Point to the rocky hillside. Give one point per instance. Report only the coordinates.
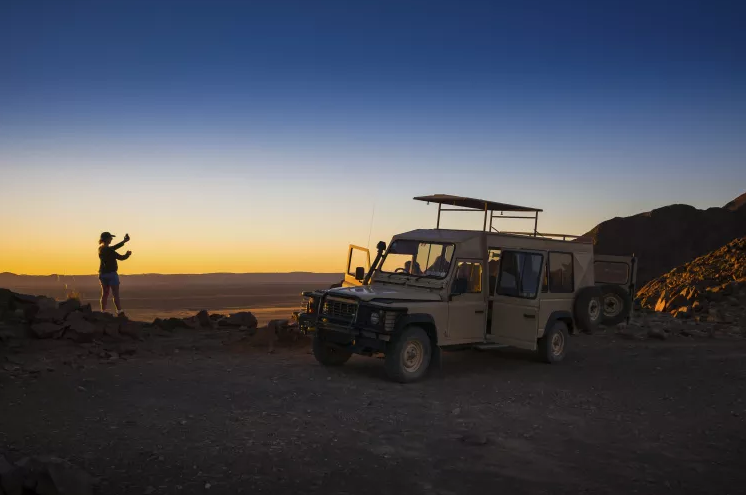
(712, 286)
(670, 236)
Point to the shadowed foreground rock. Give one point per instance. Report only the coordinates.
(44, 475)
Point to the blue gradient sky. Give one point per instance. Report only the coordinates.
(260, 136)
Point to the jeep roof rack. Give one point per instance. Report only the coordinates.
(488, 207)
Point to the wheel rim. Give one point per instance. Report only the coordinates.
(594, 309)
(558, 344)
(413, 355)
(612, 305)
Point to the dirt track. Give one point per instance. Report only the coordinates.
(616, 417)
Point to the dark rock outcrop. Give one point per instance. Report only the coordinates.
(670, 236)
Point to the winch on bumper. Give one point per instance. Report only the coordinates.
(361, 327)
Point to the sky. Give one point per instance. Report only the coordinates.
(229, 136)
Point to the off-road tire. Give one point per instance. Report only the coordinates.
(408, 357)
(587, 309)
(552, 347)
(616, 303)
(329, 354)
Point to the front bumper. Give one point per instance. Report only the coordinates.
(357, 333)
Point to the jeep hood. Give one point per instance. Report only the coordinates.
(370, 292)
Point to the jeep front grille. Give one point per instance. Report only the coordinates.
(341, 309)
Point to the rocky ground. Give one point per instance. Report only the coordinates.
(655, 406)
(192, 413)
(709, 289)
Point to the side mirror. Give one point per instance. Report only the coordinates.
(458, 288)
(359, 273)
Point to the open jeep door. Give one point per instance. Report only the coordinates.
(616, 276)
(358, 261)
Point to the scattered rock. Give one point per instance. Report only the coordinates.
(683, 312)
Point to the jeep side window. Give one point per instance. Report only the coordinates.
(493, 265)
(560, 273)
(468, 278)
(519, 274)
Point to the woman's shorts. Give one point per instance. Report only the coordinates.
(111, 278)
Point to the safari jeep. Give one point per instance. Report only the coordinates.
(436, 289)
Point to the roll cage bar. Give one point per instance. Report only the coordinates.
(472, 205)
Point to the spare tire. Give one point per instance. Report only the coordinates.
(587, 309)
(616, 304)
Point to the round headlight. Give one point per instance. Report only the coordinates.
(375, 317)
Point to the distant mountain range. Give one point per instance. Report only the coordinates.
(13, 281)
(670, 236)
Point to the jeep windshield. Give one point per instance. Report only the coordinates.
(418, 259)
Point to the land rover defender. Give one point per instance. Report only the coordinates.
(436, 289)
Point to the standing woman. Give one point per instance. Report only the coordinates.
(107, 272)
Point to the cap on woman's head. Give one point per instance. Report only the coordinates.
(105, 236)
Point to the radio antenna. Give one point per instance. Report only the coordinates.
(370, 229)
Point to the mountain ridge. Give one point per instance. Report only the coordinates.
(669, 236)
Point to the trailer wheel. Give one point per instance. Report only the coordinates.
(553, 345)
(616, 303)
(329, 354)
(587, 309)
(408, 357)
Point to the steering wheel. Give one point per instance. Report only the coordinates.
(401, 270)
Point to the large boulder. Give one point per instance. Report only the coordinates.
(75, 316)
(132, 329)
(55, 315)
(68, 306)
(100, 317)
(242, 319)
(47, 330)
(111, 329)
(81, 331)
